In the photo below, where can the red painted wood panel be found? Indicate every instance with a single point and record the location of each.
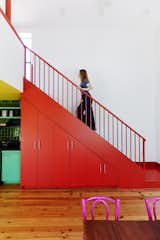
(108, 176)
(60, 148)
(29, 156)
(45, 168)
(8, 9)
(81, 172)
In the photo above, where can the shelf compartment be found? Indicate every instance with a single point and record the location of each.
(9, 108)
(10, 117)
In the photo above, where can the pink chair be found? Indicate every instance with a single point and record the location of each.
(154, 201)
(103, 200)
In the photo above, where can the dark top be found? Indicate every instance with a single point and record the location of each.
(126, 230)
(84, 85)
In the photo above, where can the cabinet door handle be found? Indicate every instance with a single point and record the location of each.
(35, 144)
(100, 168)
(72, 145)
(104, 168)
(39, 144)
(67, 145)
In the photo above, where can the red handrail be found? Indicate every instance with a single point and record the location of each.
(120, 134)
(74, 84)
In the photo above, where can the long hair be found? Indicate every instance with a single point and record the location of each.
(83, 75)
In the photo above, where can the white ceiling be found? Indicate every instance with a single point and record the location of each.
(48, 12)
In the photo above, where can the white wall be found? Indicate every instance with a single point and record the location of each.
(11, 56)
(3, 5)
(157, 91)
(158, 119)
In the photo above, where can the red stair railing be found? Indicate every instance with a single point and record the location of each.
(68, 94)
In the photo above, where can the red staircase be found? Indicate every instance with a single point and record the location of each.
(66, 152)
(58, 150)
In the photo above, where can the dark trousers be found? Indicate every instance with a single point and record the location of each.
(85, 112)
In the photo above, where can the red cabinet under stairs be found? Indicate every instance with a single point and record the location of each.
(58, 150)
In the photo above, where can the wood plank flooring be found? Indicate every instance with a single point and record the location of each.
(56, 214)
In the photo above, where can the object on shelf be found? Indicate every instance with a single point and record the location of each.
(9, 110)
(10, 113)
(4, 113)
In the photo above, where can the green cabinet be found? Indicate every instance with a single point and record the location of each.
(11, 167)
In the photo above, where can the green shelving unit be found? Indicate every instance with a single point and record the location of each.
(11, 167)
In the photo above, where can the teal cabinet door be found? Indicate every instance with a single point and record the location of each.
(11, 167)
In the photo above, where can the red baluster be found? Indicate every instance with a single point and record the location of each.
(95, 114)
(39, 72)
(31, 73)
(135, 148)
(130, 144)
(48, 80)
(25, 63)
(72, 98)
(144, 150)
(34, 69)
(76, 97)
(122, 137)
(63, 91)
(31, 66)
(117, 135)
(53, 84)
(139, 144)
(67, 95)
(126, 142)
(108, 127)
(86, 115)
(58, 86)
(99, 120)
(104, 126)
(90, 121)
(113, 130)
(44, 76)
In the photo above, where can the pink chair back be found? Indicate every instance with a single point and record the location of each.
(151, 206)
(103, 200)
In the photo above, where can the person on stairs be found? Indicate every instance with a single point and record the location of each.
(84, 110)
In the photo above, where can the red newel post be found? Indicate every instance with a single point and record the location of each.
(8, 9)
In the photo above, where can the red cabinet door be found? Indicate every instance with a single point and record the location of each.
(94, 176)
(53, 151)
(88, 169)
(108, 175)
(29, 155)
(45, 152)
(60, 158)
(84, 166)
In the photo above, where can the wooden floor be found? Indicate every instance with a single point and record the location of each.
(56, 214)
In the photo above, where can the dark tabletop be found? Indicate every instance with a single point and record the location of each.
(122, 230)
